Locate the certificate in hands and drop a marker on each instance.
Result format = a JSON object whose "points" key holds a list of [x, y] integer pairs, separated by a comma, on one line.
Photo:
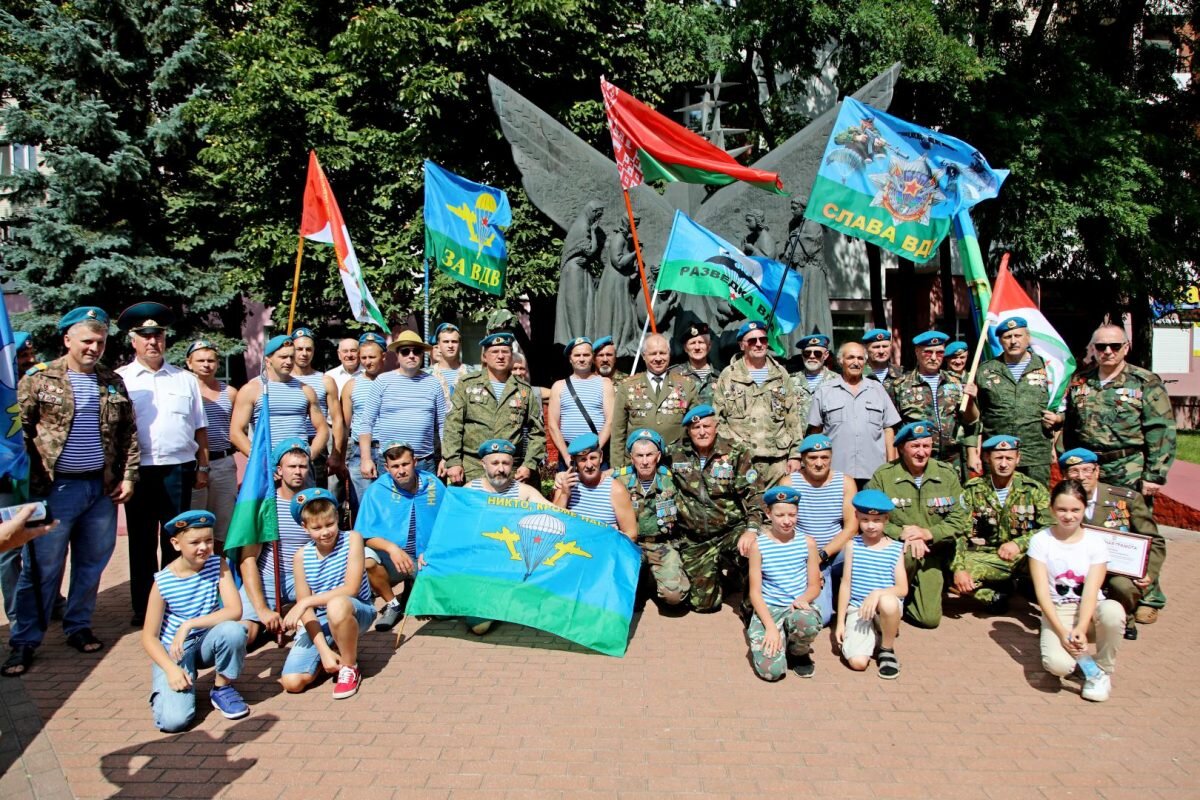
{"points": [[1128, 553]]}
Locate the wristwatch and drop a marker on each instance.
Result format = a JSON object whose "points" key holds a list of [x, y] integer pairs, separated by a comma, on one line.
{"points": [[821, 554], [205, 469]]}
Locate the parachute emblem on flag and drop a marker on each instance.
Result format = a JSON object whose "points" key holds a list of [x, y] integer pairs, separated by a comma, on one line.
{"points": [[908, 190], [538, 535], [476, 220]]}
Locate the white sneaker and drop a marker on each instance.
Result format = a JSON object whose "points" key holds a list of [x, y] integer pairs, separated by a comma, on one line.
{"points": [[1097, 689]]}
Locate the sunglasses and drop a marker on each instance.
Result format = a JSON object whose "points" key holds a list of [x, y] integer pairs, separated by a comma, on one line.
{"points": [[408, 351], [756, 341], [814, 353], [1102, 346]]}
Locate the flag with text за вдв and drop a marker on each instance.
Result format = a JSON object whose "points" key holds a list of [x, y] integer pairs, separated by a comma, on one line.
{"points": [[464, 229]]}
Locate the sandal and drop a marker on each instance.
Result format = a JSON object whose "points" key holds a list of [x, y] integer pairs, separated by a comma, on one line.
{"points": [[889, 665], [85, 641], [18, 662]]}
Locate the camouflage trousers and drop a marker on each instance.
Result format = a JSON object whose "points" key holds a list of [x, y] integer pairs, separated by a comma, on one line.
{"points": [[798, 627], [667, 568], [705, 562], [771, 471], [993, 574]]}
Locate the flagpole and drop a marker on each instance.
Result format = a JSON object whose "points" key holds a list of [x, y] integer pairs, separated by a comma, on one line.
{"points": [[642, 340], [637, 249], [295, 284], [426, 263], [778, 294], [979, 345]]}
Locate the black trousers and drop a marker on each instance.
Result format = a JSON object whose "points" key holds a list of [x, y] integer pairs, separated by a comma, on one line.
{"points": [[162, 492]]}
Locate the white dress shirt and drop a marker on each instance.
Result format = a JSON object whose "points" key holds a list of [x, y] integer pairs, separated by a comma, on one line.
{"points": [[341, 377], [169, 411]]}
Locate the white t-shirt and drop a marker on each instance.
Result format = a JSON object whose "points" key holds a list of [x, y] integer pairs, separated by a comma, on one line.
{"points": [[1067, 565]]}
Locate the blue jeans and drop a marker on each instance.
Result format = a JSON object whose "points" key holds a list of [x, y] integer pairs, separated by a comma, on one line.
{"points": [[222, 646], [357, 481], [304, 657], [87, 522], [827, 599]]}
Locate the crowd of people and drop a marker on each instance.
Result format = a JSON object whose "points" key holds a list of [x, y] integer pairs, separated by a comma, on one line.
{"points": [[848, 493]]}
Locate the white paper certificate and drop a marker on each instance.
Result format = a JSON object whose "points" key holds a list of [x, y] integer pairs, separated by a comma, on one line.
{"points": [[1128, 553]]}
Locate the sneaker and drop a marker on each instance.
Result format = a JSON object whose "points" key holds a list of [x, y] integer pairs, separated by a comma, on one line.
{"points": [[229, 702], [1146, 615], [804, 666], [389, 615], [347, 683], [1097, 689]]}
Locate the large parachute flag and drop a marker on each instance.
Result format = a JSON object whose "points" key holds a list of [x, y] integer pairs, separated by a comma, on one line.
{"points": [[531, 564], [464, 229]]}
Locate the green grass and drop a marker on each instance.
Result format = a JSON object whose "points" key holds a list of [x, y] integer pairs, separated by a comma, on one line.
{"points": [[1188, 447]]}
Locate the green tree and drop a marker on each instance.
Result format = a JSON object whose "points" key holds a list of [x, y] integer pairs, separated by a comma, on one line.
{"points": [[112, 217]]}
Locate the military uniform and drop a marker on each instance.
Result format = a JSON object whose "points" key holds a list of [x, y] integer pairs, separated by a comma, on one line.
{"points": [[1128, 423], [637, 405], [761, 419], [1025, 511], [1014, 408], [717, 502], [704, 383], [914, 401], [476, 415], [892, 375], [1123, 509], [657, 513], [938, 505], [47, 410], [804, 395]]}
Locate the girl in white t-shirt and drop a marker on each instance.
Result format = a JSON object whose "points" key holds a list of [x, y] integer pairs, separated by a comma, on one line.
{"points": [[1068, 565]]}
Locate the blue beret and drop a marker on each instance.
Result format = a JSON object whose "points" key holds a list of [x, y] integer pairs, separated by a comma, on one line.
{"points": [[296, 334], [873, 501], [930, 339], [391, 445], [571, 345], [815, 340], [698, 412], [1002, 442], [276, 342], [584, 444], [497, 340], [200, 344], [1080, 455], [310, 496], [145, 316], [602, 342], [876, 335], [191, 519], [497, 446], [645, 435], [20, 339], [955, 347], [781, 494], [1011, 324], [292, 443], [373, 338], [922, 429], [445, 326], [752, 325], [82, 314], [816, 442]]}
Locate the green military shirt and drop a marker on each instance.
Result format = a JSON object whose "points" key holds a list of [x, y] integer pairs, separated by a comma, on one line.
{"points": [[1128, 423], [1024, 512], [637, 405], [1122, 509], [914, 401], [718, 496], [1014, 408], [937, 504], [654, 505], [47, 406], [892, 375], [804, 395], [476, 415], [704, 383], [760, 418]]}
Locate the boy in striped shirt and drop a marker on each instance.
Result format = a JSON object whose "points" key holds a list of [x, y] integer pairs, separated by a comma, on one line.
{"points": [[192, 623], [333, 599], [871, 599]]}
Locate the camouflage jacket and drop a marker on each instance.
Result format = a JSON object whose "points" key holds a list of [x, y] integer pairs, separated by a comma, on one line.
{"points": [[1122, 509], [760, 418], [637, 406], [718, 497], [704, 385], [47, 410], [1128, 423], [1025, 512], [655, 507], [441, 372], [893, 374], [914, 401], [804, 395], [937, 504], [476, 416], [1014, 408]]}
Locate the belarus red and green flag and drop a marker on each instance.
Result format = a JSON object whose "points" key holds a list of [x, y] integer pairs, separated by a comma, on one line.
{"points": [[648, 147]]}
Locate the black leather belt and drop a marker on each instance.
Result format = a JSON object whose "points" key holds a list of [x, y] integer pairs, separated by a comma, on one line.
{"points": [[1109, 456], [217, 455], [93, 475]]}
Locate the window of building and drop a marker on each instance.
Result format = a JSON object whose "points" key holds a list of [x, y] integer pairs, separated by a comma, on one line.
{"points": [[16, 157]]}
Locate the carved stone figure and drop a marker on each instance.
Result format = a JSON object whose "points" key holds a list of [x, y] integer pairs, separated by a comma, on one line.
{"points": [[576, 307], [759, 241], [619, 292], [805, 253]]}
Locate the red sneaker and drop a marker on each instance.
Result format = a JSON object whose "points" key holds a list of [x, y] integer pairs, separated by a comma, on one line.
{"points": [[347, 682]]}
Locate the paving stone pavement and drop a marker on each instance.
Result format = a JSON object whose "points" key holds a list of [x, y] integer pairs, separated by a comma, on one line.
{"points": [[521, 714]]}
